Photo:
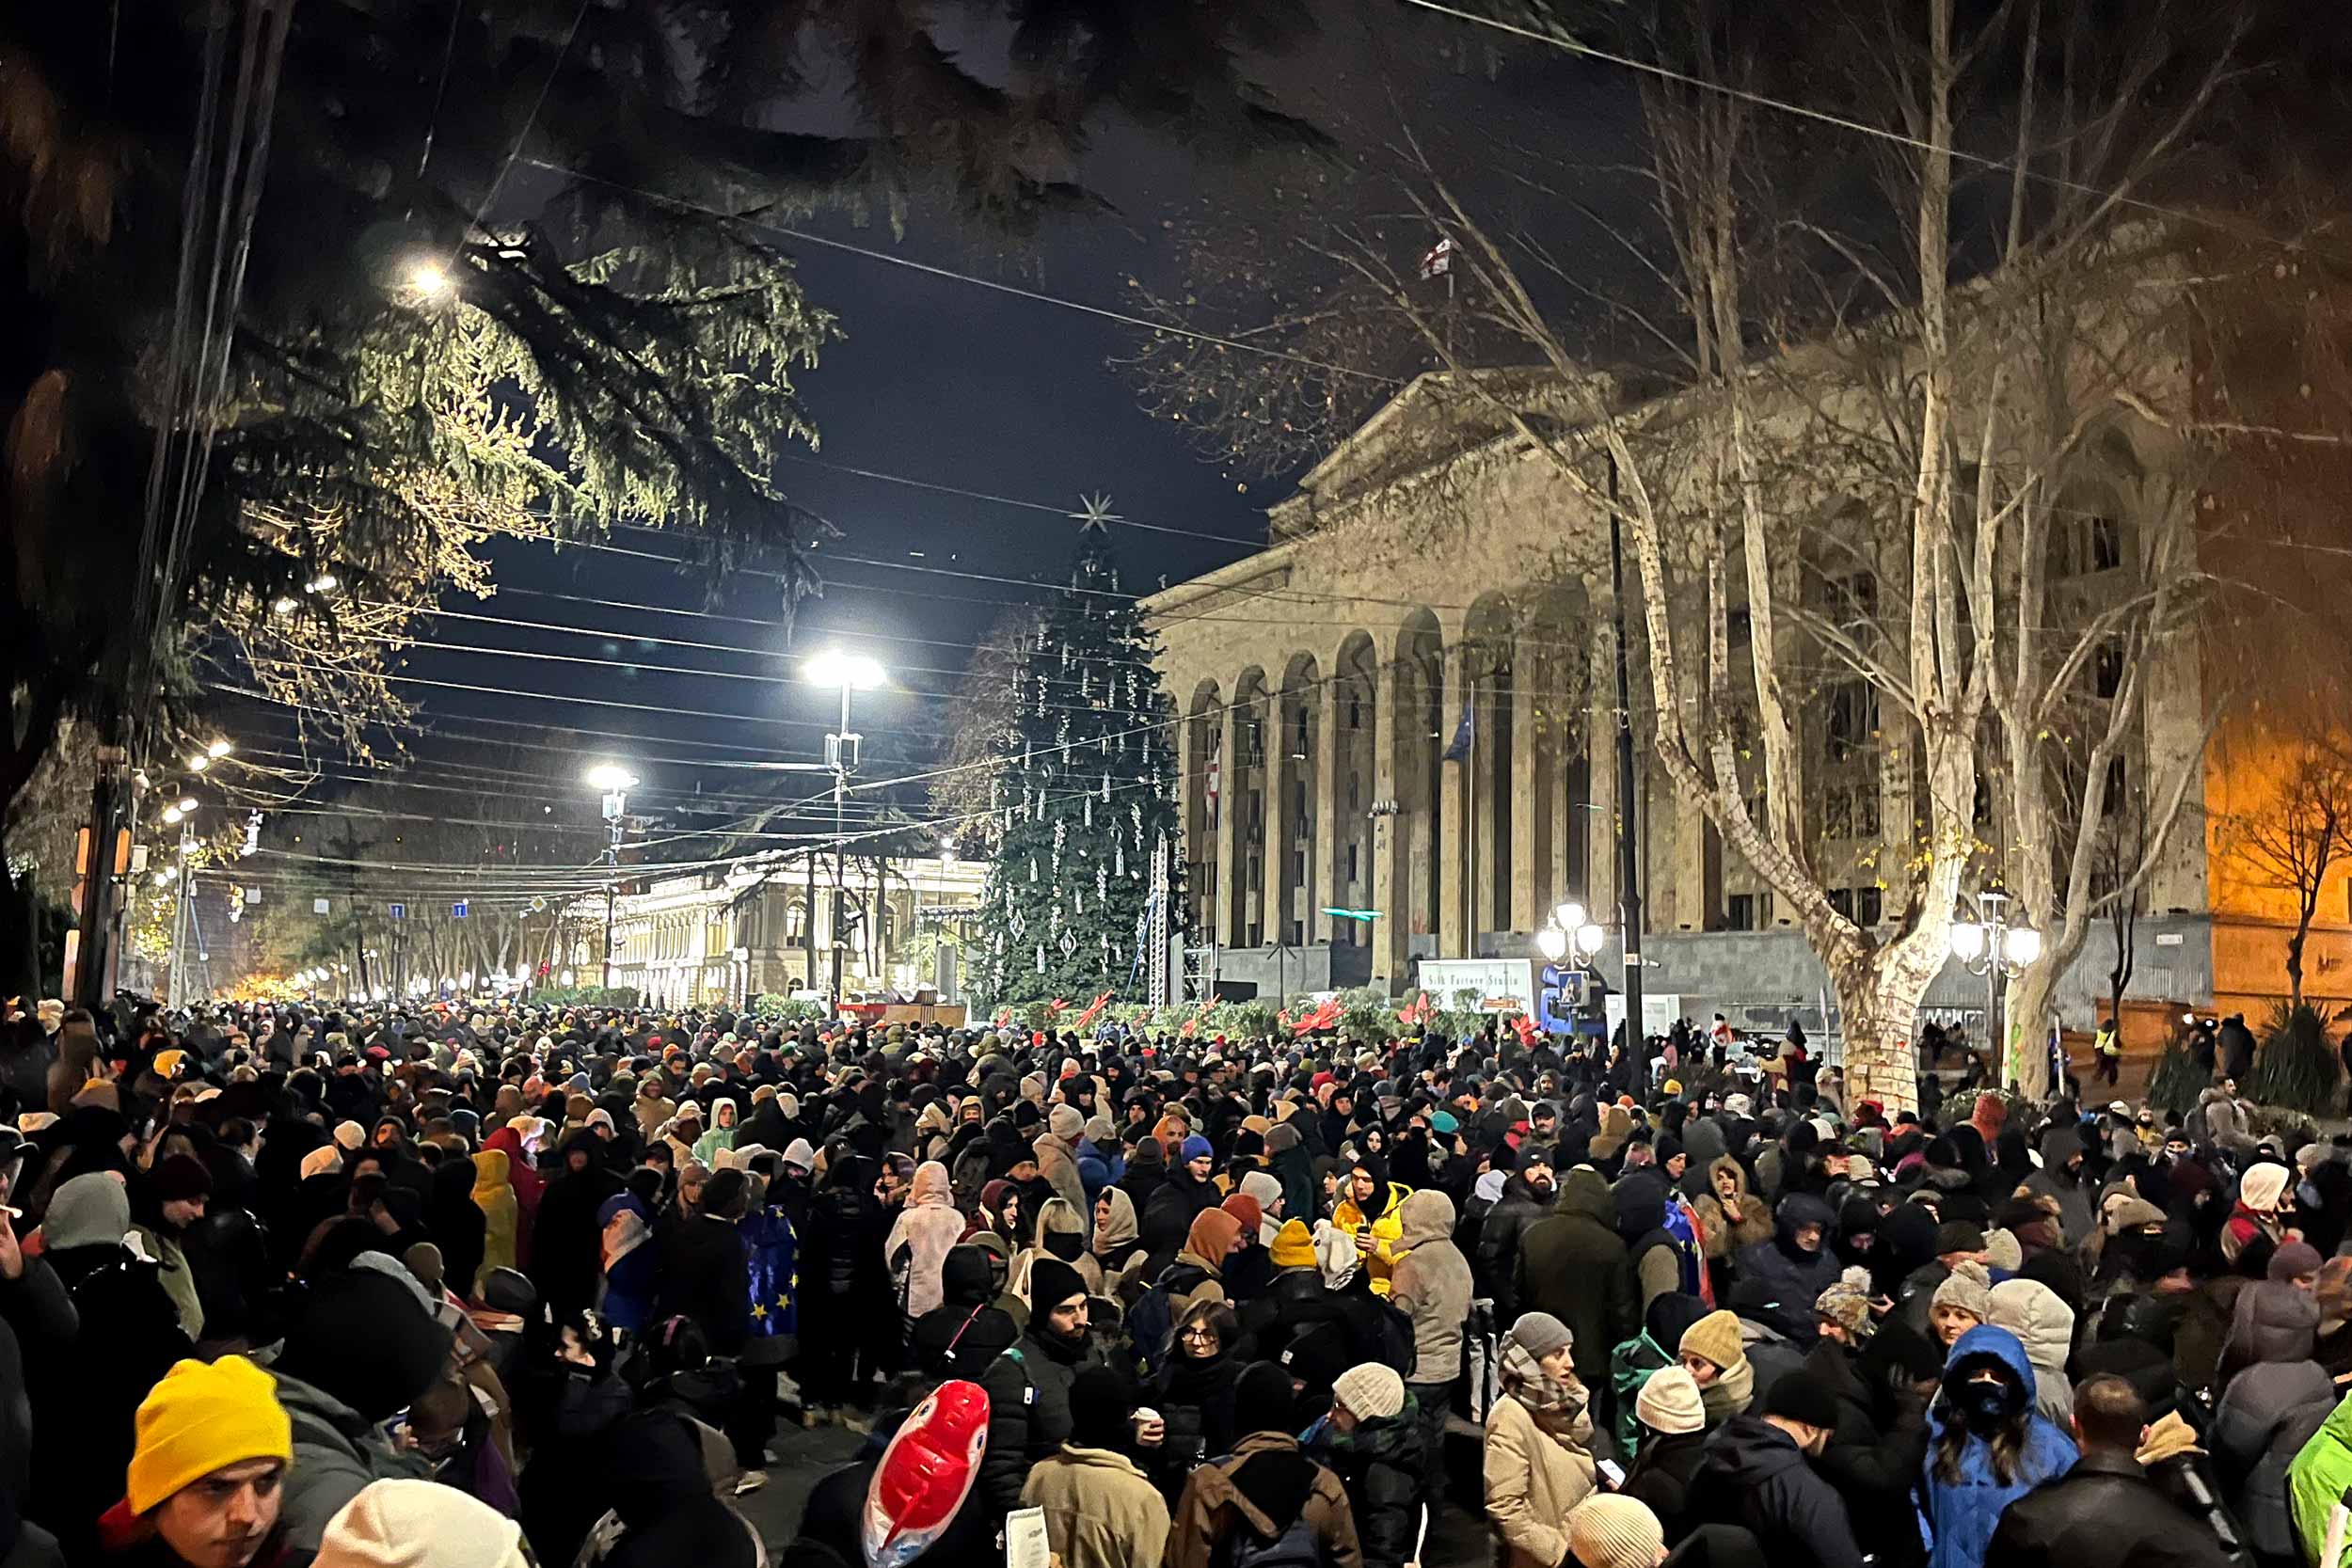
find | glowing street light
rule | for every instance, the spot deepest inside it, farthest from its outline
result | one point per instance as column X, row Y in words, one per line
column 187, row 805
column 848, row 672
column 616, row 781
column 837, row 667
column 325, row 583
column 431, row 280
column 2000, row 952
column 218, row 750
column 173, row 814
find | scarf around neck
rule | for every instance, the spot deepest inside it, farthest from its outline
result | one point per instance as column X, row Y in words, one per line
column 1558, row 1407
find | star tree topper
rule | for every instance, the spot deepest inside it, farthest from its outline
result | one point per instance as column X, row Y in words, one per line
column 1094, row 513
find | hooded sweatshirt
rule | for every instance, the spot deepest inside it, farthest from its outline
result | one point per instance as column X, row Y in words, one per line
column 1755, row 1476
column 1431, row 1284
column 927, row 1227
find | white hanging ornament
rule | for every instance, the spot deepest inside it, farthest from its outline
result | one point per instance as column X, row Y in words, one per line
column 1040, row 957
column 1078, row 902
column 1102, row 882
column 1032, row 870
column 1069, row 944
column 1088, row 803
column 1119, row 859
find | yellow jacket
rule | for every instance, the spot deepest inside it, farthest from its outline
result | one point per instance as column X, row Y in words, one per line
column 1379, row 1257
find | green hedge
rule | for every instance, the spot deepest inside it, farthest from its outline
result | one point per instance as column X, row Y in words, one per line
column 584, row 996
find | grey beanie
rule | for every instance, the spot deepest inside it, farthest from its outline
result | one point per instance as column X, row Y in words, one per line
column 87, row 1211
column 1539, row 1333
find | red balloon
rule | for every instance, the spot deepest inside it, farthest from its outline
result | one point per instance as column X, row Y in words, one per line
column 925, row 1475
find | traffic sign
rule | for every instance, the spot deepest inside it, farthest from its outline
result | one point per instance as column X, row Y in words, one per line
column 318, row 906
column 400, row 912
column 458, row 911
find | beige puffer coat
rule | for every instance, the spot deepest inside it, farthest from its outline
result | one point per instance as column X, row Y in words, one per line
column 1532, row 1481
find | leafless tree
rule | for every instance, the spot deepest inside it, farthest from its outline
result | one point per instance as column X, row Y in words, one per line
column 2290, row 842
column 1909, row 390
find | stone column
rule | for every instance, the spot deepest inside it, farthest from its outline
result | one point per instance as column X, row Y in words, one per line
column 1230, row 896
column 1389, row 835
column 1325, row 805
column 1490, row 798
column 1601, row 731
column 1191, row 806
column 1281, row 820
column 1455, row 791
column 1533, row 785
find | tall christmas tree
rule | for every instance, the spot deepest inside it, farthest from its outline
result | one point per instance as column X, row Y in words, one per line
column 1084, row 795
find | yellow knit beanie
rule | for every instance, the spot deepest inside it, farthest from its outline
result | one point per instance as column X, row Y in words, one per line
column 1293, row 1247
column 200, row 1418
column 1716, row 1337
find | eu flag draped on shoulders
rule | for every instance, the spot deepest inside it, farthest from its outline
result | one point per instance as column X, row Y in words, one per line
column 772, row 1255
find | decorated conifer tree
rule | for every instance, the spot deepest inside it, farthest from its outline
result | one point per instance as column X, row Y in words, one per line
column 1084, row 796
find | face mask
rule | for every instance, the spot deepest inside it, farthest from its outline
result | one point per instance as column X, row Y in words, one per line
column 1984, row 1405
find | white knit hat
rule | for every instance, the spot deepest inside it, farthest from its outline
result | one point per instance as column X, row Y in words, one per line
column 1669, row 1402
column 418, row 1524
column 1612, row 1531
column 1371, row 1391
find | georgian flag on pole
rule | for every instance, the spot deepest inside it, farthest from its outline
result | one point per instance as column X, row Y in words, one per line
column 1439, row 260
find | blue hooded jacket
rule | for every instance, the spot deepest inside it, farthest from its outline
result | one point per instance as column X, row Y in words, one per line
column 1961, row 1516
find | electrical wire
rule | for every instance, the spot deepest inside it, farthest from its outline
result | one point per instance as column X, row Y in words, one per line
column 994, row 285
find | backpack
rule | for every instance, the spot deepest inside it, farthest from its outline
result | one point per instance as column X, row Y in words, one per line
column 1149, row 1323
column 1398, row 1350
column 1295, row 1547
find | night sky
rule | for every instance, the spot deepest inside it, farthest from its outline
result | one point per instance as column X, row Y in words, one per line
column 949, row 384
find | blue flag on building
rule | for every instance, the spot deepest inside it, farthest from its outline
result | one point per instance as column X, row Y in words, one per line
column 1464, row 733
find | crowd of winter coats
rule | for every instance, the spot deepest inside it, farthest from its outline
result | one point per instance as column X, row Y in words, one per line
column 1222, row 1301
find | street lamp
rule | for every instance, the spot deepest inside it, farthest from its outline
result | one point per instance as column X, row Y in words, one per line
column 616, row 781
column 1991, row 946
column 849, row 672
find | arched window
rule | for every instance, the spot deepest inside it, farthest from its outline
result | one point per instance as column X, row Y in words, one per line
column 795, row 920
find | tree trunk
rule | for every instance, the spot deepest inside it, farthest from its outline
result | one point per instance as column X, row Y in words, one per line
column 2295, row 961
column 1878, row 1001
column 2027, row 1016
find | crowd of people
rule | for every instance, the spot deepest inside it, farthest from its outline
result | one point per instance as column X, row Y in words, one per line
column 461, row 1287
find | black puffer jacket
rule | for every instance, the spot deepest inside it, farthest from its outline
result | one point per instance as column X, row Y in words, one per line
column 1875, row 1453
column 1028, row 1411
column 1778, row 1281
column 963, row 1334
column 1498, row 1258
column 1381, row 1463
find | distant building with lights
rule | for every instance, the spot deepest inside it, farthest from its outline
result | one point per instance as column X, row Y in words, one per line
column 764, row 925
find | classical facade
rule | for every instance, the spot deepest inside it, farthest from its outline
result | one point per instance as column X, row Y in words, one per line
column 766, row 926
column 1405, row 707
